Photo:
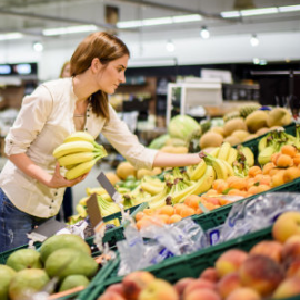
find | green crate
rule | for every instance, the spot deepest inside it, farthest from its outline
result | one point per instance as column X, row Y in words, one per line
column 173, row 269
column 218, row 216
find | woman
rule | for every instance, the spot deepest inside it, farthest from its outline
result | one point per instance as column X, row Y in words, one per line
column 31, row 184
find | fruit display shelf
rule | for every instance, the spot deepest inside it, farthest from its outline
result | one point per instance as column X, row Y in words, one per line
column 253, row 143
column 175, row 268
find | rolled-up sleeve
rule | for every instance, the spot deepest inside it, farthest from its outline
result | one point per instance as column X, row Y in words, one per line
column 30, row 121
column 120, row 137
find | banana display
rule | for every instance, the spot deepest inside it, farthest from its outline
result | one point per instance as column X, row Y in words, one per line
column 78, row 153
column 272, row 143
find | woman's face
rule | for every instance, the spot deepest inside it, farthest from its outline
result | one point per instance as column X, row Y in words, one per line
column 113, row 74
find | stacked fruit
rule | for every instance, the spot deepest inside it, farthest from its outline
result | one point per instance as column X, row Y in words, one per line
column 169, row 214
column 28, row 271
column 78, row 153
column 273, row 142
column 270, row 269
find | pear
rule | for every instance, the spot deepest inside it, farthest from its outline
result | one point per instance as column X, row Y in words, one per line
column 73, row 281
column 63, row 241
column 24, row 258
column 6, row 274
column 68, row 261
column 27, row 282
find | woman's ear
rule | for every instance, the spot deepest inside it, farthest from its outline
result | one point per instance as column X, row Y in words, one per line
column 95, row 65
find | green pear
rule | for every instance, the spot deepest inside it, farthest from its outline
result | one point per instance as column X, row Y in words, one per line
column 67, row 261
column 57, row 242
column 6, row 274
column 24, row 258
column 73, row 281
column 27, row 282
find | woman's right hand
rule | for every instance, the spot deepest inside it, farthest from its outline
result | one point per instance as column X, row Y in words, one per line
column 58, row 181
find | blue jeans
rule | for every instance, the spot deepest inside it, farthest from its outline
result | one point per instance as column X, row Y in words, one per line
column 15, row 224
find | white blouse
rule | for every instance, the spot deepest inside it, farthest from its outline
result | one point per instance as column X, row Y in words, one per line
column 44, row 121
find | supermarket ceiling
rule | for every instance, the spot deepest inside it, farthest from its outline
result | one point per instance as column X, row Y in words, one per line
column 67, row 19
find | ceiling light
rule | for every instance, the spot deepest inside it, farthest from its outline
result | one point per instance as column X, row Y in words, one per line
column 289, row 8
column 11, row 36
column 255, row 61
column 260, row 11
column 186, row 18
column 170, row 46
column 204, row 33
column 37, row 46
column 230, row 14
column 157, row 21
column 254, row 41
column 69, row 30
column 160, row 21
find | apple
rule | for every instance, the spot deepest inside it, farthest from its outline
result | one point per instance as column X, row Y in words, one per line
column 203, row 294
column 244, row 293
column 230, row 261
column 271, row 249
column 158, row 289
column 181, row 285
column 210, row 274
column 288, row 288
column 228, row 283
column 111, row 295
column 134, row 282
column 261, row 273
column 287, row 225
column 117, row 288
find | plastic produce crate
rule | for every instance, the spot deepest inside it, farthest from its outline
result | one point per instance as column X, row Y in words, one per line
column 173, row 269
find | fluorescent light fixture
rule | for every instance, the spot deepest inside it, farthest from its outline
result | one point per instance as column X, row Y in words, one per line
column 160, row 21
column 230, row 14
column 170, row 46
column 69, row 30
column 11, row 36
column 260, row 11
column 256, row 61
column 204, row 33
column 186, row 18
column 157, row 21
column 254, row 41
column 289, row 8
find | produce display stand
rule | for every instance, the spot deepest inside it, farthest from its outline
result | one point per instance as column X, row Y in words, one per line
column 175, row 268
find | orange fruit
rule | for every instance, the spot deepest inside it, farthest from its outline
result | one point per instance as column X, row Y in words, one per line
column 254, row 170
column 175, row 218
column 139, row 216
column 186, row 211
column 289, row 150
column 143, row 223
column 284, row 160
column 167, row 210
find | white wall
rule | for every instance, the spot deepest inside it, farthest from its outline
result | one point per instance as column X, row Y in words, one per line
column 151, row 51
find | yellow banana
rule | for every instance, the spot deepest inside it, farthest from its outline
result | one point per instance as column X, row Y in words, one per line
column 72, row 147
column 83, row 200
column 196, row 171
column 233, row 153
column 80, row 169
column 228, row 167
column 206, row 181
column 214, row 153
column 152, row 189
column 249, row 156
column 81, row 210
column 220, row 169
column 76, row 158
column 98, row 191
column 224, row 151
column 79, row 136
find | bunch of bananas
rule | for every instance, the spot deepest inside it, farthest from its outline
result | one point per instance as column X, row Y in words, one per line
column 272, row 143
column 78, row 153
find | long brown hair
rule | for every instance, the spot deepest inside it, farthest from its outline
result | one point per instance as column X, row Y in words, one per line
column 106, row 48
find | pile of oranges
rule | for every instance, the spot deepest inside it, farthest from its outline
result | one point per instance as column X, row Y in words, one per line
column 169, row 214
